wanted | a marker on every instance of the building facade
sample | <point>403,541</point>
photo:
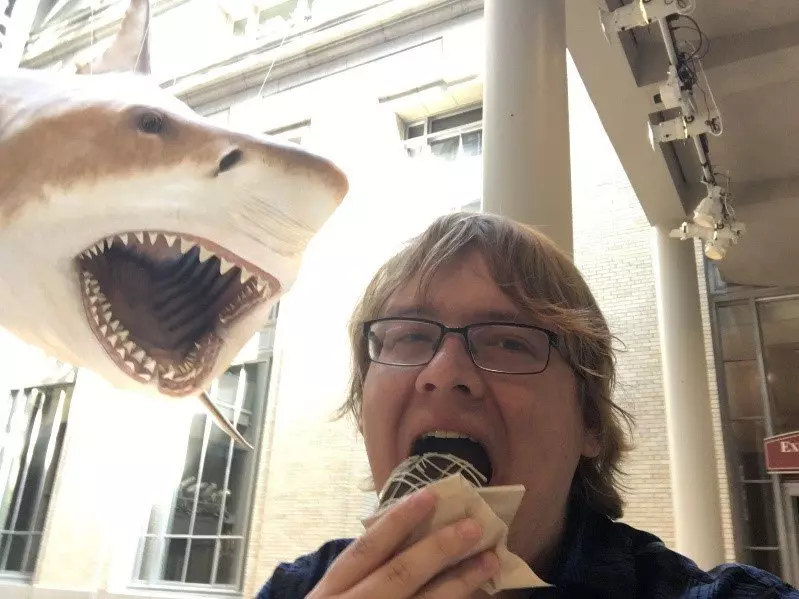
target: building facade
<point>392,91</point>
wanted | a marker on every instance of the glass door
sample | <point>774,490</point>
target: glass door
<point>792,521</point>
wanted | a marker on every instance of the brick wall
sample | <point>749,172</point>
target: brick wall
<point>613,251</point>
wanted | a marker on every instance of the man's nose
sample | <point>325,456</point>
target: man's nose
<point>451,368</point>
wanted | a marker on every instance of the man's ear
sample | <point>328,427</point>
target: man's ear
<point>130,50</point>
<point>359,424</point>
<point>592,446</point>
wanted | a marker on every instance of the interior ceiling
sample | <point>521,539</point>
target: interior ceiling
<point>752,66</point>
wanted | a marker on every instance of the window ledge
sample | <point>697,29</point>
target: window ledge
<point>20,588</point>
<point>170,592</point>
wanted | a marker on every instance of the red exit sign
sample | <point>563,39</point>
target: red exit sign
<point>782,452</point>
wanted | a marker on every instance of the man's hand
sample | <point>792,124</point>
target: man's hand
<point>433,568</point>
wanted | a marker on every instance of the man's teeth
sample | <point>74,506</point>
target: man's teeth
<point>173,241</point>
<point>447,435</point>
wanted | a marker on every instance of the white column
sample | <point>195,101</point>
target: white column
<point>526,116</point>
<point>692,457</point>
<point>16,19</point>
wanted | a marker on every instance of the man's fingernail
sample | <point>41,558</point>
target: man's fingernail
<point>490,562</point>
<point>421,499</point>
<point>469,529</point>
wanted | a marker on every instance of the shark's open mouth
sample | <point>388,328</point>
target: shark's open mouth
<point>157,301</point>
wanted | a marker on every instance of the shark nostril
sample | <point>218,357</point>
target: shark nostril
<point>230,160</point>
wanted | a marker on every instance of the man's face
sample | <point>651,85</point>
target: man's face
<point>530,425</point>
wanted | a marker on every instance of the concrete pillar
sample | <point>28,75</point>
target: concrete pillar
<point>692,457</point>
<point>526,160</point>
<point>16,19</point>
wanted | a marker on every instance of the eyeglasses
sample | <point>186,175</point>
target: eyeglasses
<point>496,347</point>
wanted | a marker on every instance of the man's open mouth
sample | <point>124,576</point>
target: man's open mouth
<point>459,445</point>
<point>157,300</point>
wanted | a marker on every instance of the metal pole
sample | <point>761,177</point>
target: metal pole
<point>526,160</point>
<point>689,421</point>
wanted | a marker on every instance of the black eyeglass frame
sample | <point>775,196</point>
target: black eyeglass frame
<point>553,338</point>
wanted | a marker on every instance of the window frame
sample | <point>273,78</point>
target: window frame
<point>422,143</point>
<point>259,418</point>
<point>58,389</point>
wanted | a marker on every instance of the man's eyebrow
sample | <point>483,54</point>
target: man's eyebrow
<point>409,311</point>
<point>478,316</point>
<point>499,315</point>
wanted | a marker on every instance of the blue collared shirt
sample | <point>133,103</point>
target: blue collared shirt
<point>600,558</point>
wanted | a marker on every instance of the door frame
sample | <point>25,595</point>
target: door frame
<point>791,494</point>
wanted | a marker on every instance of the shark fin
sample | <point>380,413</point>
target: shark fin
<point>130,50</point>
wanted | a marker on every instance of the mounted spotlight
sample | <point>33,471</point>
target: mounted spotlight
<point>716,247</point>
<point>716,241</point>
<point>641,13</point>
<point>710,211</point>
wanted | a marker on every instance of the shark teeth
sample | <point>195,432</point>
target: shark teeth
<point>244,287</point>
<point>174,241</point>
<point>134,359</point>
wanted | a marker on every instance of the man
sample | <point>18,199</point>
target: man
<point>483,328</point>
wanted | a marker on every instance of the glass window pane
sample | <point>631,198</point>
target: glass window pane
<point>766,559</point>
<point>266,340</point>
<point>780,330</point>
<point>743,389</point>
<point>209,502</point>
<point>33,426</point>
<point>415,131</point>
<point>33,552</point>
<point>238,494</point>
<point>39,463</point>
<point>749,436</point>
<point>736,326</point>
<point>229,559</point>
<point>228,383</point>
<point>446,149</point>
<point>759,505</point>
<point>57,427</point>
<point>257,386</point>
<point>16,550</point>
<point>175,555</point>
<point>201,559</point>
<point>184,500</point>
<point>456,120</point>
<point>472,143</point>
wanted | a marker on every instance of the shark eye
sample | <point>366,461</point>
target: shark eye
<point>152,123</point>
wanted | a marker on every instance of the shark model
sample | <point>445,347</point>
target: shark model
<point>138,239</point>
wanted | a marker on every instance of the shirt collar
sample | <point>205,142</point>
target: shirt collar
<point>595,559</point>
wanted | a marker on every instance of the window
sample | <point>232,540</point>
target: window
<point>293,133</point>
<point>52,12</point>
<point>32,424</point>
<point>197,539</point>
<point>454,144</point>
<point>271,18</point>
